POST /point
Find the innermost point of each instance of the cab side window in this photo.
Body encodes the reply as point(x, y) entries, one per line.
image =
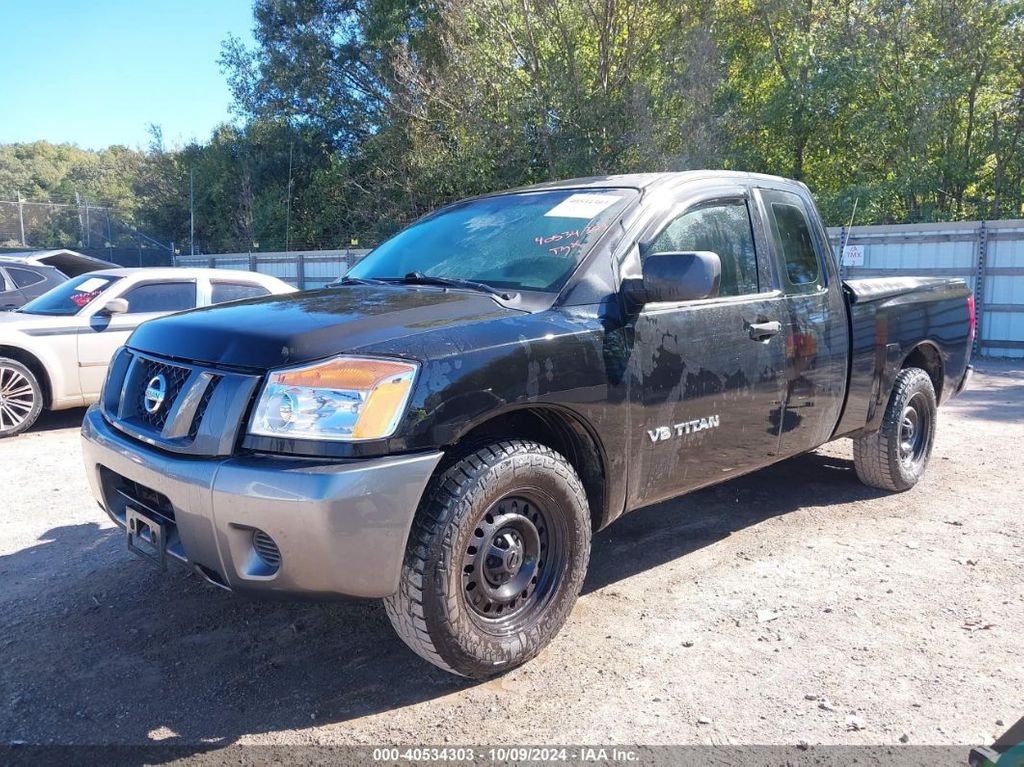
point(723, 228)
point(161, 297)
point(797, 251)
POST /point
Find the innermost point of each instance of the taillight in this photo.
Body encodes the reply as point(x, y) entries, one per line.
point(971, 315)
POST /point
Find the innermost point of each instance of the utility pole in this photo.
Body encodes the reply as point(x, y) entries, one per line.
point(88, 226)
point(191, 215)
point(288, 212)
point(21, 220)
point(81, 221)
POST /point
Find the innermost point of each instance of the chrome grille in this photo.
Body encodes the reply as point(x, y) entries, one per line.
point(202, 411)
point(175, 376)
point(204, 403)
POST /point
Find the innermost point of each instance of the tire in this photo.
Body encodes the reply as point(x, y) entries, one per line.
point(21, 398)
point(495, 561)
point(895, 457)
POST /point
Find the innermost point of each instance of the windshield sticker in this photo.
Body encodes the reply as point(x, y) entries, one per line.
point(583, 206)
point(81, 299)
point(92, 285)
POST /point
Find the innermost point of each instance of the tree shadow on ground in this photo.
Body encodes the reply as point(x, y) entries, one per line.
point(1000, 403)
point(100, 647)
point(658, 534)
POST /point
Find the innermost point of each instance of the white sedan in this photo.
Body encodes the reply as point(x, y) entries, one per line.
point(54, 351)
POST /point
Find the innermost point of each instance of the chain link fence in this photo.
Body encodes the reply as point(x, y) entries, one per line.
point(97, 230)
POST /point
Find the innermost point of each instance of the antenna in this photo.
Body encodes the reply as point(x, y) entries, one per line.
point(846, 239)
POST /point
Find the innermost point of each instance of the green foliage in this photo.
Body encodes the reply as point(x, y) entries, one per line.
point(360, 115)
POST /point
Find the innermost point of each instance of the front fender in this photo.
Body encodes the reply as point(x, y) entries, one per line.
point(55, 355)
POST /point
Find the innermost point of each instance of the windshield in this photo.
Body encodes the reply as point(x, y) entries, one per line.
point(527, 241)
point(70, 297)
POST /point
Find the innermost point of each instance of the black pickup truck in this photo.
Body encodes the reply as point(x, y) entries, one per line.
point(446, 426)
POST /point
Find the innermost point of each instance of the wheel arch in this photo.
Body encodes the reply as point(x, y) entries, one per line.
point(33, 363)
point(564, 431)
point(926, 356)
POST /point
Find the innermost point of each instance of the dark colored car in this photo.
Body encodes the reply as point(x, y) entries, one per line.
point(448, 425)
point(25, 276)
point(21, 282)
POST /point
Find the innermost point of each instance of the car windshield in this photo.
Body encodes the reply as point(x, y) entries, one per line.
point(524, 241)
point(70, 297)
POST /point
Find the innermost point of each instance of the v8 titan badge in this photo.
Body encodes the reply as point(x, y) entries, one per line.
point(663, 433)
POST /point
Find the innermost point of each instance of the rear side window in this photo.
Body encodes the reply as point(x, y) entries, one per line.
point(235, 291)
point(161, 297)
point(795, 246)
point(24, 278)
point(722, 228)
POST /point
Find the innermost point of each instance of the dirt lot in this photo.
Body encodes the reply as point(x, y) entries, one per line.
point(791, 605)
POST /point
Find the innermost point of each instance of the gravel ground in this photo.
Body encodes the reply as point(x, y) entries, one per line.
point(790, 605)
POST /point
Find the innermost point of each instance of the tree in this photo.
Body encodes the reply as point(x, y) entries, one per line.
point(357, 116)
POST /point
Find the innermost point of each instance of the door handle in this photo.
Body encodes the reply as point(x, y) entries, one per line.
point(762, 331)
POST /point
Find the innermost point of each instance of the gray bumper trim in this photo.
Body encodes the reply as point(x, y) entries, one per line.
point(965, 381)
point(341, 527)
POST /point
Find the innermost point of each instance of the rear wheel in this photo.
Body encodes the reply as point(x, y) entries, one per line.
point(21, 398)
point(896, 456)
point(495, 561)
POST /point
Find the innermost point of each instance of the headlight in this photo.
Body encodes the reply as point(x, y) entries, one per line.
point(345, 398)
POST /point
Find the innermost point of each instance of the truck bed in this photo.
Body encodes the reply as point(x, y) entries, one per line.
point(889, 316)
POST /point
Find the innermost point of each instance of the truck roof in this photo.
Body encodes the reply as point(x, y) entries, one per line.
point(647, 181)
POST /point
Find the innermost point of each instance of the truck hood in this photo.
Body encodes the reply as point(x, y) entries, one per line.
point(285, 330)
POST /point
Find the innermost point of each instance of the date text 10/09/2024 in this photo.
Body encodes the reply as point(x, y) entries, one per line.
point(505, 753)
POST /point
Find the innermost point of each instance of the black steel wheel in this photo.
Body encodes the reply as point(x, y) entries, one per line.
point(21, 398)
point(915, 430)
point(513, 563)
point(495, 561)
point(896, 456)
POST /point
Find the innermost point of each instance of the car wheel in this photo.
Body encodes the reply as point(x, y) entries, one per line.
point(896, 456)
point(495, 560)
point(21, 398)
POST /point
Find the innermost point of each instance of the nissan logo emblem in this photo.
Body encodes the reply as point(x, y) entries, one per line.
point(156, 392)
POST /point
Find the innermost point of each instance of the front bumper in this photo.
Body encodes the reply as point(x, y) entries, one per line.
point(340, 527)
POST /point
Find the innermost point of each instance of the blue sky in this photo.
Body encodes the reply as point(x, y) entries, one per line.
point(99, 72)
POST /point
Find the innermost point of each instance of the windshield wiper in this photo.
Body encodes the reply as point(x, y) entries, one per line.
point(346, 280)
point(419, 278)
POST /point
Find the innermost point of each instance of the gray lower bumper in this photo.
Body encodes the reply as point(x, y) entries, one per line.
point(341, 528)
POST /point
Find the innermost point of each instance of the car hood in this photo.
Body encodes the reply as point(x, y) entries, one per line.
point(282, 330)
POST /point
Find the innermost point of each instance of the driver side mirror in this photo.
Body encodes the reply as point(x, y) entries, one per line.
point(683, 276)
point(115, 306)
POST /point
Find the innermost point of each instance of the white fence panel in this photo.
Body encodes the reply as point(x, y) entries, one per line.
point(305, 270)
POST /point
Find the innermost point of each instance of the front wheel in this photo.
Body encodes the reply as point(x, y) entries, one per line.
point(21, 398)
point(495, 560)
point(895, 457)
